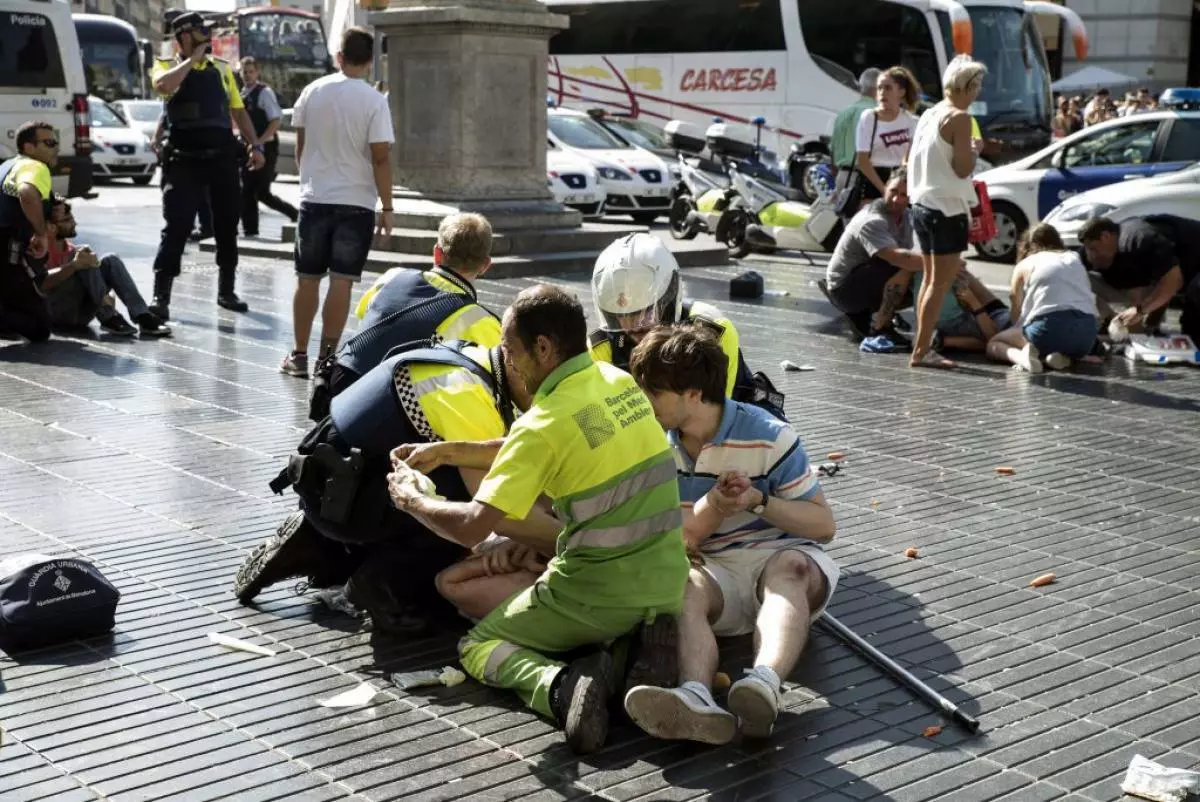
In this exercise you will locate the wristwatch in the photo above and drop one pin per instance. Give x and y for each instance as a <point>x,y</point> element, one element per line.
<point>761,507</point>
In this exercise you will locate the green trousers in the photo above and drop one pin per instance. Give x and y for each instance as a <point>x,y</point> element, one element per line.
<point>508,648</point>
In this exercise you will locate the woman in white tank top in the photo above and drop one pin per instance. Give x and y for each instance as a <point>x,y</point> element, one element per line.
<point>940,162</point>
<point>1051,289</point>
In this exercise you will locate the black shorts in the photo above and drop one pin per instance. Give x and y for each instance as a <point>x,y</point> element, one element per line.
<point>332,239</point>
<point>862,289</point>
<point>869,191</point>
<point>938,233</point>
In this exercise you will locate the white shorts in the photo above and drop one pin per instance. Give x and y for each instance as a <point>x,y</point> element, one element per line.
<point>738,573</point>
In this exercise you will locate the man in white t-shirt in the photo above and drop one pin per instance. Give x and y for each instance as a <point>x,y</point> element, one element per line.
<point>343,146</point>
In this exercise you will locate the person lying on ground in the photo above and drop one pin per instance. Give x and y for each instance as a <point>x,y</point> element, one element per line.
<point>869,275</point>
<point>79,287</point>
<point>349,529</point>
<point>589,441</point>
<point>1145,262</point>
<point>970,316</point>
<point>755,519</point>
<point>1058,311</point>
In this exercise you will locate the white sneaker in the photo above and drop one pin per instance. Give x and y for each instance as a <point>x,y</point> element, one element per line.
<point>1029,359</point>
<point>676,714</point>
<point>1058,361</point>
<point>756,703</point>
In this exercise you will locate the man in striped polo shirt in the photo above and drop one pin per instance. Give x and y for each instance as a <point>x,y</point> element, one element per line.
<point>754,519</point>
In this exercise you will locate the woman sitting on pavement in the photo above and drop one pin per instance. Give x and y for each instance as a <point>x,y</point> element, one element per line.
<point>970,316</point>
<point>1058,310</point>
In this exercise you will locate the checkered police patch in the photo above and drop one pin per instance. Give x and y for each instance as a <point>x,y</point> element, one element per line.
<point>411,404</point>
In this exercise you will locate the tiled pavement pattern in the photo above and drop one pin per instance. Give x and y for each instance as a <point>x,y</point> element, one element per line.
<point>152,458</point>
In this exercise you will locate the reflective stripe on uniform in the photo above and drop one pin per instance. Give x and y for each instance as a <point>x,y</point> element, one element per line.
<point>627,534</point>
<point>499,653</point>
<point>588,508</point>
<point>456,377</point>
<point>459,323</point>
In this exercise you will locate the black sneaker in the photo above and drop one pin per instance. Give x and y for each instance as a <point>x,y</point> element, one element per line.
<point>900,324</point>
<point>293,551</point>
<point>198,235</point>
<point>901,342</point>
<point>579,701</point>
<point>161,310</point>
<point>150,325</point>
<point>118,325</point>
<point>654,655</point>
<point>230,301</point>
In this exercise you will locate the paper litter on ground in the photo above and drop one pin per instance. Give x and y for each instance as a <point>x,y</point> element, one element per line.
<point>355,697</point>
<point>448,676</point>
<point>1149,780</point>
<point>230,642</point>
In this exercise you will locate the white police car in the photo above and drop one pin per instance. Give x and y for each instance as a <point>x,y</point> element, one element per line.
<point>574,182</point>
<point>637,182</point>
<point>1026,190</point>
<point>1174,193</point>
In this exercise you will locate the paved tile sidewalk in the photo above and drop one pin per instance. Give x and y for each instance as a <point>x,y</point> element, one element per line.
<point>152,460</point>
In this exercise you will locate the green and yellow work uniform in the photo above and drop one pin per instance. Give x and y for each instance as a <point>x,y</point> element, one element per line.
<point>592,444</point>
<point>22,308</point>
<point>616,348</point>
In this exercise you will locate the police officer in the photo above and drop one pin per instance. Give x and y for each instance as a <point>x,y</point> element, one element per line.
<point>408,305</point>
<point>590,442</point>
<point>259,100</point>
<point>200,155</point>
<point>636,286</point>
<point>453,391</point>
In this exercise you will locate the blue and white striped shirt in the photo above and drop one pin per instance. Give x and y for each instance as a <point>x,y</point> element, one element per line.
<point>768,451</point>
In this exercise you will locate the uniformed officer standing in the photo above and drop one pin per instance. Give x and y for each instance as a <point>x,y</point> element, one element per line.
<point>200,155</point>
<point>264,111</point>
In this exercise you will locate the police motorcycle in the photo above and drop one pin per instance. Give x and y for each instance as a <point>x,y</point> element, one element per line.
<point>702,192</point>
<point>768,215</point>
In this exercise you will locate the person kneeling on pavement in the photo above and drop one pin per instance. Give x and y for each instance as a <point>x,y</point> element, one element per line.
<point>755,519</point>
<point>79,287</point>
<point>1145,262</point>
<point>405,305</point>
<point>346,525</point>
<point>589,442</point>
<point>636,286</point>
<point>870,274</point>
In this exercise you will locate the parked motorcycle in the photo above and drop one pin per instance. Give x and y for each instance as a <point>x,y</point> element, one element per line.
<point>768,217</point>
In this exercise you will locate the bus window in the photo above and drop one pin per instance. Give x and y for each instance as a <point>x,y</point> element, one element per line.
<point>857,34</point>
<point>112,69</point>
<point>670,26</point>
<point>29,57</point>
<point>290,50</point>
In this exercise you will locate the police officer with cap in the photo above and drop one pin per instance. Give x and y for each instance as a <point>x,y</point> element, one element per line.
<point>200,156</point>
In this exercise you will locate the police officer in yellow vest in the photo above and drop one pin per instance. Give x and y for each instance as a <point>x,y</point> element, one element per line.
<point>200,156</point>
<point>591,443</point>
<point>636,286</point>
<point>451,391</point>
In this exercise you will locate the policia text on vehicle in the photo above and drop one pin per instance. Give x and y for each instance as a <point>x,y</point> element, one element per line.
<point>200,156</point>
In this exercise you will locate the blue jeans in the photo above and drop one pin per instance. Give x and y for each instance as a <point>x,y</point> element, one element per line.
<point>333,239</point>
<point>1067,331</point>
<point>76,301</point>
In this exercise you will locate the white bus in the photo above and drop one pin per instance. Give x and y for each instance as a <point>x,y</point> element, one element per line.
<point>796,62</point>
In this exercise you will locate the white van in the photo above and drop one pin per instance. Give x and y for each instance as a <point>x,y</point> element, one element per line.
<point>41,78</point>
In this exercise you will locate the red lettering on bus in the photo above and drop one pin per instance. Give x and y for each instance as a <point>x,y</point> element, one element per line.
<point>734,79</point>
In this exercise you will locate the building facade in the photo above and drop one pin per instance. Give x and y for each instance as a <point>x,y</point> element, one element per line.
<point>145,15</point>
<point>1150,40</point>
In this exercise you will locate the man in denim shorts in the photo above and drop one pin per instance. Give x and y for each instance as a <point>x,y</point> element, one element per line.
<point>343,143</point>
<point>754,521</point>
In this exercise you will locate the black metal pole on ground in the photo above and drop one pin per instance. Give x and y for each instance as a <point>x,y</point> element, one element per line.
<point>903,675</point>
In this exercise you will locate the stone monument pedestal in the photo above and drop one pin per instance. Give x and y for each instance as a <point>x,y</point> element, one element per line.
<point>467,88</point>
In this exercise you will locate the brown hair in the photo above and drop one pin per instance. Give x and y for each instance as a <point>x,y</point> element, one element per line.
<point>676,359</point>
<point>27,133</point>
<point>358,47</point>
<point>1042,237</point>
<point>1093,229</point>
<point>908,82</point>
<point>545,310</point>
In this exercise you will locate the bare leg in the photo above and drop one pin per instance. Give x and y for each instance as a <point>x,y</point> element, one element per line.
<point>334,314</point>
<point>1011,346</point>
<point>792,587</point>
<point>468,587</point>
<point>940,272</point>
<point>698,655</point>
<point>893,296</point>
<point>304,309</point>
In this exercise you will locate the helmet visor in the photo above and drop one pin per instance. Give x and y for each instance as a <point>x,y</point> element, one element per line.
<point>637,321</point>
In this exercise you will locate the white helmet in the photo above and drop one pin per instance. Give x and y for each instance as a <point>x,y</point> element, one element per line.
<point>636,284</point>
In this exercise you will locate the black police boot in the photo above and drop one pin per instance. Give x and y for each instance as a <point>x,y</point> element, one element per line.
<point>579,700</point>
<point>226,297</point>
<point>160,308</point>
<point>654,654</point>
<point>296,549</point>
